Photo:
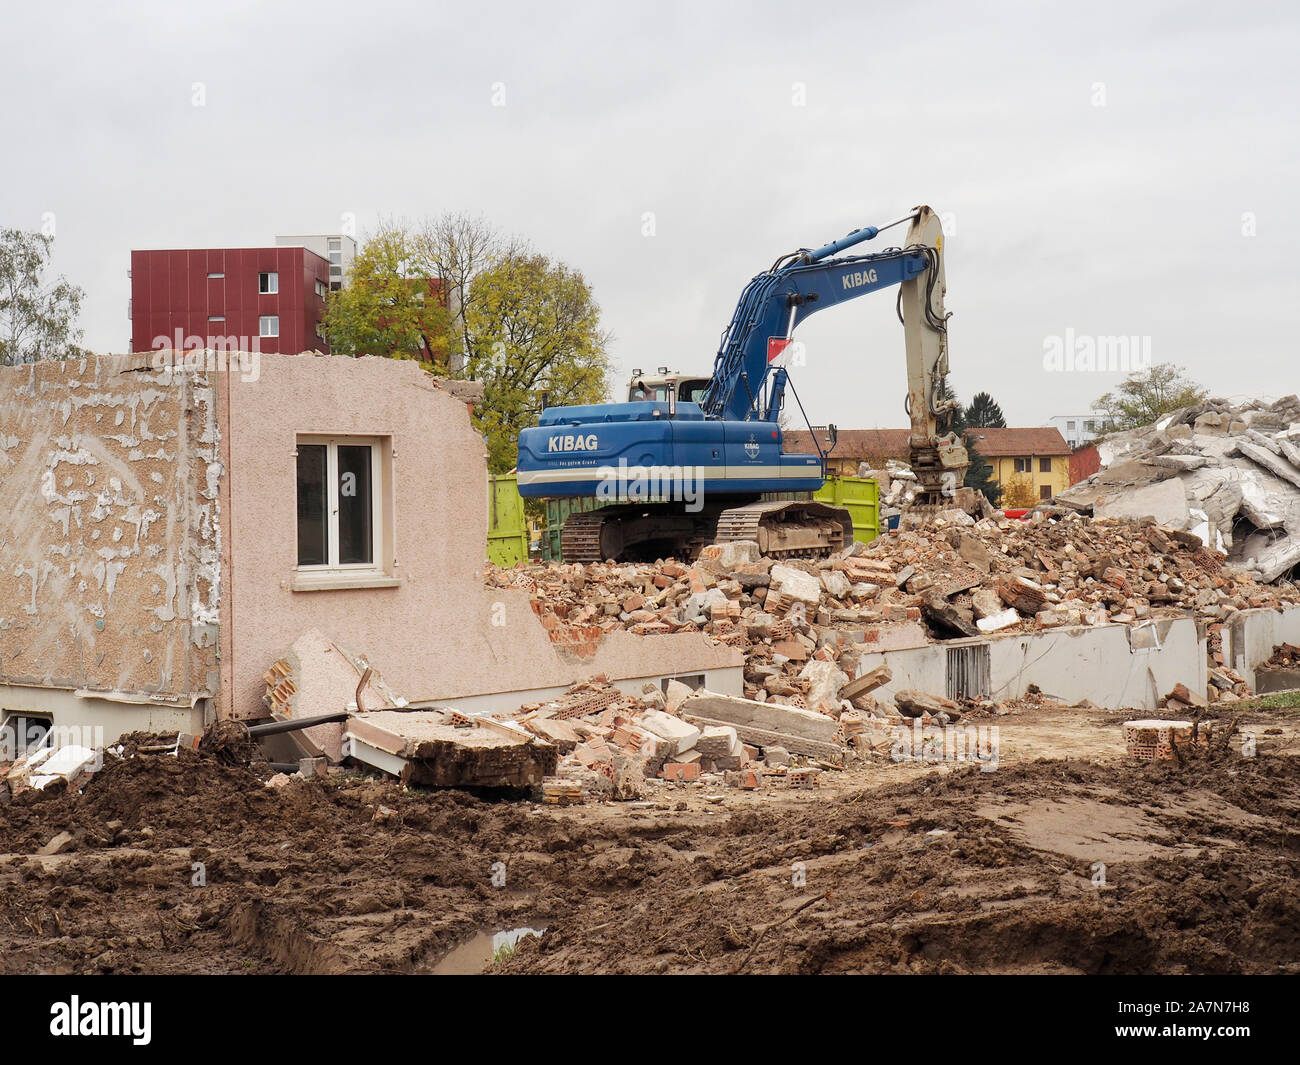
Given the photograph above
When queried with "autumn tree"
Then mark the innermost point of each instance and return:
(511, 317)
(1144, 396)
(391, 306)
(458, 248)
(37, 313)
(531, 325)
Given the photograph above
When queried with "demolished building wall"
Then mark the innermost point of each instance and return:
(109, 541)
(1251, 637)
(148, 545)
(428, 622)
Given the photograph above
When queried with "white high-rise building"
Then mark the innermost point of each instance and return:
(1078, 429)
(338, 248)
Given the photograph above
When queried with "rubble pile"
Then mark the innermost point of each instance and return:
(614, 745)
(1228, 473)
(804, 626)
(1284, 656)
(896, 482)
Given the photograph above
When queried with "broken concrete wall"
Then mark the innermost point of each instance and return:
(429, 624)
(1109, 665)
(1251, 636)
(1230, 474)
(109, 540)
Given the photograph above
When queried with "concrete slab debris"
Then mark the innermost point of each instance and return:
(786, 720)
(439, 748)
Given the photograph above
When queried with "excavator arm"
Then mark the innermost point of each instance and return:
(939, 461)
(774, 303)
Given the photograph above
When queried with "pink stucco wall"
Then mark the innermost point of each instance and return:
(439, 633)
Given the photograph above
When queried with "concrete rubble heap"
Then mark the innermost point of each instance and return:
(1230, 474)
(897, 484)
(806, 626)
(616, 745)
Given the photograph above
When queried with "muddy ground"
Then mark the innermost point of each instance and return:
(886, 868)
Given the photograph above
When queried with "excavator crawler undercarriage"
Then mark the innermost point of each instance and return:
(788, 528)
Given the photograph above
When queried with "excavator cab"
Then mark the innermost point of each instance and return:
(666, 386)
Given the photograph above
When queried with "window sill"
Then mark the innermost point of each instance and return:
(330, 582)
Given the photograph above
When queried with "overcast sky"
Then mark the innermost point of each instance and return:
(1099, 168)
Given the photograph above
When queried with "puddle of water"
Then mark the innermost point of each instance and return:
(477, 952)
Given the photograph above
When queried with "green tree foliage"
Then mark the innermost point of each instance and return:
(532, 324)
(516, 320)
(1144, 396)
(37, 316)
(458, 247)
(983, 412)
(389, 306)
(980, 474)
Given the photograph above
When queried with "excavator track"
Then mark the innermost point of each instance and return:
(580, 538)
(800, 528)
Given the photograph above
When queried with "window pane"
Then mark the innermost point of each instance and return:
(313, 543)
(354, 505)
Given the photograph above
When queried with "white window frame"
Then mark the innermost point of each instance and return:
(332, 564)
(261, 329)
(216, 318)
(216, 277)
(272, 281)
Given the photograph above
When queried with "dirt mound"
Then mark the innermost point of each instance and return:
(180, 863)
(1192, 871)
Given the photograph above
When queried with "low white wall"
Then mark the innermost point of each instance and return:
(1251, 635)
(1111, 666)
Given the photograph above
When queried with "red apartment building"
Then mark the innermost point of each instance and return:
(253, 299)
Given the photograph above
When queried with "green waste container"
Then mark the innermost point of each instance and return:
(860, 496)
(507, 541)
(556, 511)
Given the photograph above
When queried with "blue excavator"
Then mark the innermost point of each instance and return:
(675, 474)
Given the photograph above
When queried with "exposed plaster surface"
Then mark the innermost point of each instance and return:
(109, 527)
